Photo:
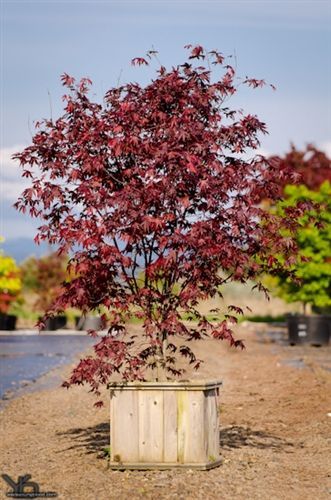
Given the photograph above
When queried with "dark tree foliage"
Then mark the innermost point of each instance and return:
(45, 276)
(312, 165)
(155, 194)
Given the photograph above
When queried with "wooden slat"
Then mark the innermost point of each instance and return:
(169, 426)
(212, 427)
(182, 404)
(150, 408)
(164, 466)
(178, 385)
(124, 427)
(194, 448)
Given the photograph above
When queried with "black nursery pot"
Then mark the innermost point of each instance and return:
(7, 322)
(313, 330)
(55, 323)
(88, 323)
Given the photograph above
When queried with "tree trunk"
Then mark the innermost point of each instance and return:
(162, 361)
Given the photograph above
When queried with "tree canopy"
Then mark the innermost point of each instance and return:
(10, 281)
(312, 165)
(313, 238)
(157, 192)
(44, 276)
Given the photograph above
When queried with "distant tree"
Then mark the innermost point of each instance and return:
(29, 269)
(313, 238)
(45, 277)
(10, 281)
(312, 165)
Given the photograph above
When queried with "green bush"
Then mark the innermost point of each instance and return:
(266, 319)
(44, 277)
(10, 281)
(313, 262)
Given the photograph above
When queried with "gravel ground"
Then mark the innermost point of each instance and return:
(274, 430)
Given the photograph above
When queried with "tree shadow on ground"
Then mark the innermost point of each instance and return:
(234, 437)
(91, 439)
(95, 439)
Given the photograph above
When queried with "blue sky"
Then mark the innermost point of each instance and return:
(286, 42)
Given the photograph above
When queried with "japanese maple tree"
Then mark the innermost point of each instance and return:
(156, 193)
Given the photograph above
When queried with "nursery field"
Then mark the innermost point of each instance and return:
(252, 302)
(275, 418)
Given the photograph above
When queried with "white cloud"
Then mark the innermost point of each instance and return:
(263, 152)
(13, 224)
(12, 182)
(326, 147)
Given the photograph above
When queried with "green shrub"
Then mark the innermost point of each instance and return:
(10, 281)
(313, 263)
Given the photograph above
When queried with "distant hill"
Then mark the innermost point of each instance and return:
(21, 248)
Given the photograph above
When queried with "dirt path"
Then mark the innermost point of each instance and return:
(274, 434)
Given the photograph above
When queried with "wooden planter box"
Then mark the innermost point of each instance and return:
(164, 425)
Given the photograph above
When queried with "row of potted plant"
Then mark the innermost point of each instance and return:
(28, 290)
(312, 262)
(10, 287)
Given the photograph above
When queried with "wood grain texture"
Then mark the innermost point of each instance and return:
(182, 404)
(164, 466)
(212, 428)
(169, 426)
(164, 426)
(150, 426)
(194, 421)
(124, 426)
